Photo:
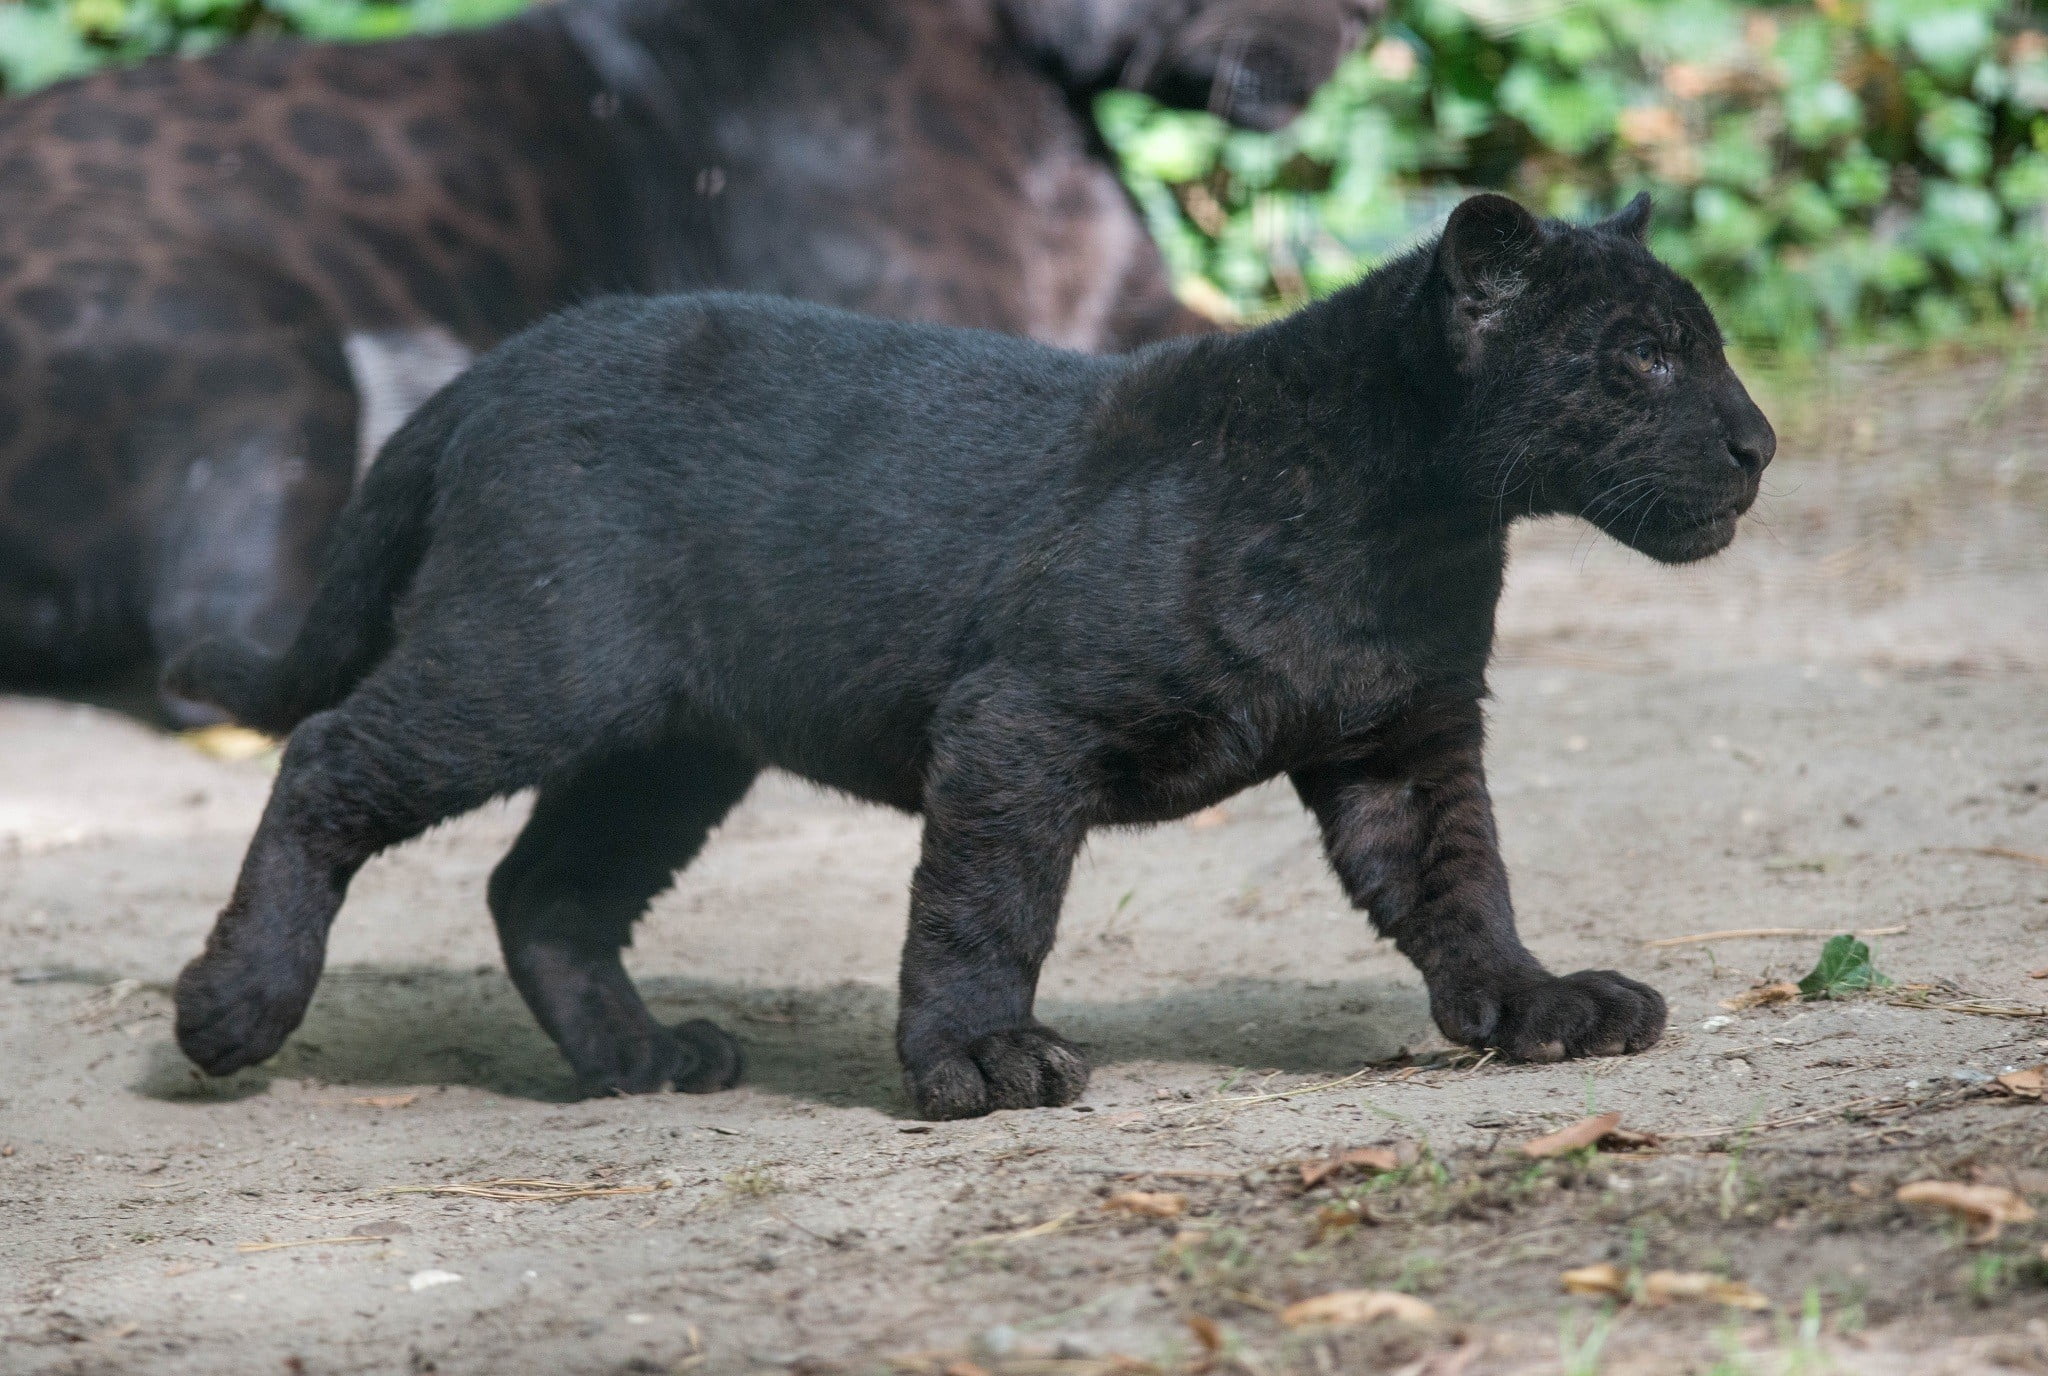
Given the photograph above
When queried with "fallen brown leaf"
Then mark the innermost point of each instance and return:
(1349, 1307)
(1991, 1206)
(1662, 1287)
(2024, 1084)
(1584, 1133)
(1207, 1332)
(1147, 1203)
(1377, 1160)
(1340, 1214)
(1762, 995)
(1601, 1278)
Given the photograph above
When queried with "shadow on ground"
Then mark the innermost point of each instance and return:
(834, 1045)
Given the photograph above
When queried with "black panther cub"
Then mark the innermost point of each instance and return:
(650, 547)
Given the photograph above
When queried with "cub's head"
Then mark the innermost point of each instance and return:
(1595, 380)
(1252, 62)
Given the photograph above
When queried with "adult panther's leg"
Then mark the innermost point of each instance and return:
(597, 848)
(251, 489)
(1003, 821)
(1409, 829)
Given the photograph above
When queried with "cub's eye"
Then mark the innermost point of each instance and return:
(1646, 358)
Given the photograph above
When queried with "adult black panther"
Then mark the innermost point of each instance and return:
(224, 281)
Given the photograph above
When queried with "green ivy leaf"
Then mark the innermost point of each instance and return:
(1845, 968)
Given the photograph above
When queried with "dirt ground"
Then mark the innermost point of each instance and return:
(1813, 731)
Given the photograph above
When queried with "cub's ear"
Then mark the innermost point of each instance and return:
(1482, 255)
(1632, 221)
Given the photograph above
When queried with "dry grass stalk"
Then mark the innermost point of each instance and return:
(1248, 1100)
(1749, 933)
(2025, 857)
(526, 1191)
(312, 1242)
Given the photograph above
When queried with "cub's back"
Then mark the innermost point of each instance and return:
(767, 501)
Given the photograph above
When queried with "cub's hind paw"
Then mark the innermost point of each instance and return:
(1552, 1018)
(1021, 1067)
(697, 1057)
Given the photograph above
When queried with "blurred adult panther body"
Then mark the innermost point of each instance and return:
(224, 281)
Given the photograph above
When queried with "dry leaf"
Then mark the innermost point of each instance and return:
(1762, 995)
(229, 743)
(1344, 1307)
(1662, 1287)
(1992, 1206)
(1601, 1278)
(1583, 1133)
(1207, 1332)
(386, 1100)
(2024, 1084)
(1148, 1204)
(1377, 1160)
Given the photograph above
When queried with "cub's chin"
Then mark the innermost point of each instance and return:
(1679, 537)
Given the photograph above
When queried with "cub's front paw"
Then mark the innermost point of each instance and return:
(1545, 1017)
(235, 1010)
(697, 1057)
(1023, 1067)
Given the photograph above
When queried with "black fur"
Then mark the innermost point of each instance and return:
(651, 547)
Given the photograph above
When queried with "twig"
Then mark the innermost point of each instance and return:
(1051, 1225)
(2025, 857)
(525, 1191)
(1744, 933)
(1247, 1100)
(311, 1242)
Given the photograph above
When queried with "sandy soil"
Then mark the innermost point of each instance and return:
(1811, 732)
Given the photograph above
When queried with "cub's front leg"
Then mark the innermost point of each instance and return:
(1001, 828)
(1409, 829)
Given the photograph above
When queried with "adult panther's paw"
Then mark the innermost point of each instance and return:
(1022, 1067)
(235, 1009)
(697, 1057)
(1549, 1018)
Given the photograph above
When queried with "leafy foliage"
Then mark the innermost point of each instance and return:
(45, 40)
(1851, 169)
(1845, 967)
(1845, 169)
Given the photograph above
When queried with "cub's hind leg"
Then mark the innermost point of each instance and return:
(400, 754)
(597, 849)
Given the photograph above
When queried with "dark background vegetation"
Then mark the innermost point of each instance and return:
(1848, 171)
